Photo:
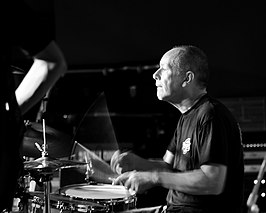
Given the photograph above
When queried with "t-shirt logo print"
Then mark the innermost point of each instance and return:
(186, 146)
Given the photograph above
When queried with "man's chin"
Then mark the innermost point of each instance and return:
(160, 97)
(164, 98)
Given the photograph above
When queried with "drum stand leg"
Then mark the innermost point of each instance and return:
(46, 180)
(47, 190)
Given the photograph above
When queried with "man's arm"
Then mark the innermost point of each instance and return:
(209, 179)
(48, 66)
(127, 161)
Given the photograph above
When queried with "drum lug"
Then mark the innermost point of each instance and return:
(37, 201)
(62, 207)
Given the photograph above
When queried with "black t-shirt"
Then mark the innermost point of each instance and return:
(22, 29)
(208, 134)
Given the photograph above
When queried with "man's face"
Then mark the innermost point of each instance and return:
(168, 80)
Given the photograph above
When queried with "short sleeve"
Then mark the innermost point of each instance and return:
(172, 145)
(213, 143)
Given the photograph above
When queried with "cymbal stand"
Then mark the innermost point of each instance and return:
(45, 145)
(47, 176)
(46, 179)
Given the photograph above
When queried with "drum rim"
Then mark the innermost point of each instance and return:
(129, 198)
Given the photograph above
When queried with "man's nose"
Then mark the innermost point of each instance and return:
(156, 75)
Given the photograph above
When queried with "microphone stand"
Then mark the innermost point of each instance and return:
(252, 199)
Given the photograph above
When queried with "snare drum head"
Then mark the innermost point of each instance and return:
(97, 192)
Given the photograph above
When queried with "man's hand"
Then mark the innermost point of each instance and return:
(137, 181)
(123, 162)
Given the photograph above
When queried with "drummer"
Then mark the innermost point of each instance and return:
(29, 34)
(203, 165)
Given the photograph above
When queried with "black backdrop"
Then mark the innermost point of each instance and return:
(97, 35)
(232, 33)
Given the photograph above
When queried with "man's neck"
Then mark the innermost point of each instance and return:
(189, 102)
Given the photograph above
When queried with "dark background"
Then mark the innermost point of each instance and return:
(232, 33)
(112, 49)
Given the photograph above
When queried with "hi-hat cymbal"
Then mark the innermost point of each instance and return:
(48, 164)
(59, 143)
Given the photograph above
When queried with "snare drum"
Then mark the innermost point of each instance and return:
(98, 198)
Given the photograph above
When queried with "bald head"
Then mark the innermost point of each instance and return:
(190, 58)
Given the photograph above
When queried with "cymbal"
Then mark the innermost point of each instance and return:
(59, 143)
(48, 164)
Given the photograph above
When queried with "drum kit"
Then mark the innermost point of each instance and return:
(87, 197)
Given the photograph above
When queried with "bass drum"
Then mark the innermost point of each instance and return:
(98, 198)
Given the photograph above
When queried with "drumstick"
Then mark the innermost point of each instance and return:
(113, 181)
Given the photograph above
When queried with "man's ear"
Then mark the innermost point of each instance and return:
(188, 79)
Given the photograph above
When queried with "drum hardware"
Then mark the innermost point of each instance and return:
(65, 203)
(20, 201)
(43, 106)
(46, 171)
(75, 198)
(71, 207)
(44, 167)
(55, 141)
